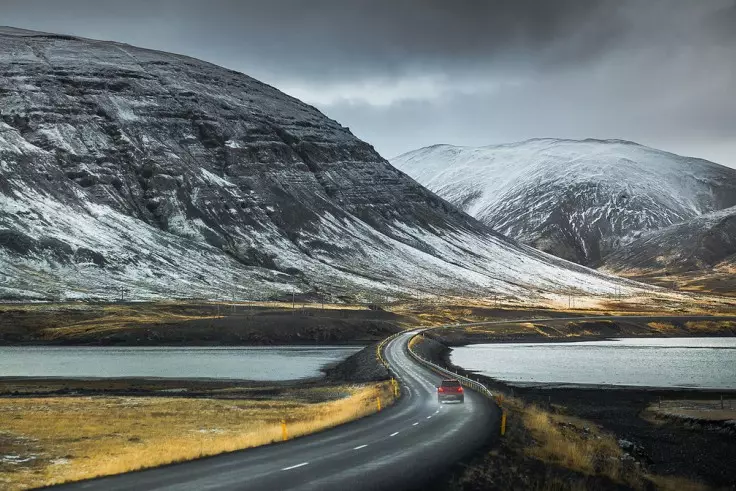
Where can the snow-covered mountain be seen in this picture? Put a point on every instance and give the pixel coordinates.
(578, 200)
(700, 243)
(126, 167)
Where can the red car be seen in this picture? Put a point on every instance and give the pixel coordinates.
(450, 390)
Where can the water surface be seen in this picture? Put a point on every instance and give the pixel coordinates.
(648, 362)
(251, 363)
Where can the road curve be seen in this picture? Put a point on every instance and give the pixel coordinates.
(402, 447)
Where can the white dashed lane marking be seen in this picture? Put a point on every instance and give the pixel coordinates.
(394, 433)
(416, 423)
(295, 466)
(359, 447)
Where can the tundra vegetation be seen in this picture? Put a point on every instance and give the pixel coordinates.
(50, 440)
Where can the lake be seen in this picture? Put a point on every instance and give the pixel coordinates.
(647, 362)
(251, 363)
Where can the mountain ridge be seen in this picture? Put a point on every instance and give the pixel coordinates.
(706, 241)
(577, 199)
(126, 168)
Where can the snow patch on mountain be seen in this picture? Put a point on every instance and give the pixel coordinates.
(171, 177)
(577, 199)
(697, 244)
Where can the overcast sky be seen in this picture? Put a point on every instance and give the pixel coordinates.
(405, 74)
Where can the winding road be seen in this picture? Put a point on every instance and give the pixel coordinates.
(402, 447)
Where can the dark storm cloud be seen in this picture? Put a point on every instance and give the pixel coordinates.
(404, 74)
(331, 37)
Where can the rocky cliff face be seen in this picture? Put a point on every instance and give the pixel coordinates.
(122, 167)
(579, 200)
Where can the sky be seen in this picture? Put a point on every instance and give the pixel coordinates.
(403, 74)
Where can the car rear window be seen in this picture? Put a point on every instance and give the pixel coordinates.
(450, 383)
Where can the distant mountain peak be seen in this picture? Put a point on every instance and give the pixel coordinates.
(577, 199)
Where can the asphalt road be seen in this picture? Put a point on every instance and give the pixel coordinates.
(402, 447)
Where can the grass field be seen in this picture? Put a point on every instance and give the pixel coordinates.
(576, 445)
(49, 440)
(546, 450)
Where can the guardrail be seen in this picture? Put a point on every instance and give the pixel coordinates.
(381, 345)
(465, 381)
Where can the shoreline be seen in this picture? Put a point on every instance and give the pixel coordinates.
(585, 339)
(586, 329)
(359, 367)
(591, 386)
(193, 344)
(695, 449)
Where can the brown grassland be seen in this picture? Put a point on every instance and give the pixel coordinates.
(580, 447)
(49, 440)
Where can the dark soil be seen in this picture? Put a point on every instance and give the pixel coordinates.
(703, 452)
(246, 327)
(506, 467)
(559, 330)
(261, 328)
(362, 366)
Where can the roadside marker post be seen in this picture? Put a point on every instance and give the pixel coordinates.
(503, 423)
(378, 403)
(284, 433)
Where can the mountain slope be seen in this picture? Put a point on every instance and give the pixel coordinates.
(172, 177)
(701, 243)
(578, 200)
(696, 255)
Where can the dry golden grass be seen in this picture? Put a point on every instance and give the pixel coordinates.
(415, 341)
(662, 327)
(694, 327)
(583, 447)
(69, 320)
(574, 444)
(706, 410)
(674, 483)
(117, 321)
(710, 326)
(73, 438)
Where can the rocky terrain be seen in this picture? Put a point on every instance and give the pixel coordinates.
(704, 242)
(579, 200)
(132, 173)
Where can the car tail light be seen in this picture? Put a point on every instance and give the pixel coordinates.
(459, 389)
(440, 389)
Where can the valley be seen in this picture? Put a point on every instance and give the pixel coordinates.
(145, 175)
(193, 261)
